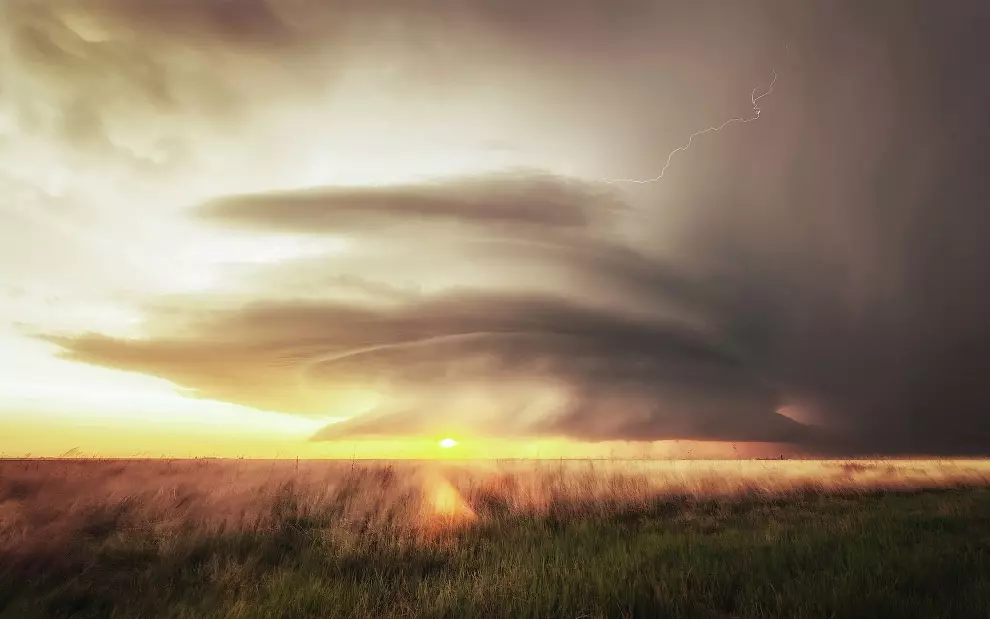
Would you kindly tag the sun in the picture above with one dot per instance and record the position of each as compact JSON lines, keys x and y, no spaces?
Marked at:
{"x":447,"y":443}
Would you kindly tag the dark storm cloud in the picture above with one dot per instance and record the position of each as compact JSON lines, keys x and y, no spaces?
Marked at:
{"x":848,"y":235}
{"x":631,"y":378}
{"x":832,"y":256}
{"x":517,"y":199}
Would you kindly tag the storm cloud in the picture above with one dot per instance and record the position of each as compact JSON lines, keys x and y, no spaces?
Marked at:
{"x":621,"y":376}
{"x":509,"y":200}
{"x":829,"y":259}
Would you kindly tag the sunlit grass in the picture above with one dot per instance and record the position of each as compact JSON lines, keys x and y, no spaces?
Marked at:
{"x":540,"y":539}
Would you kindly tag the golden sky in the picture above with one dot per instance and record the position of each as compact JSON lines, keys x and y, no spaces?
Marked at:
{"x":280,"y":168}
{"x":331,"y":229}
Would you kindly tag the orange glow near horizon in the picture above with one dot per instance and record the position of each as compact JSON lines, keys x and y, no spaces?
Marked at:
{"x":405,"y":178}
{"x":52,"y":436}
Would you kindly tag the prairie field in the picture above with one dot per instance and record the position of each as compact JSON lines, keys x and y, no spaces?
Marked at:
{"x":314,"y":539}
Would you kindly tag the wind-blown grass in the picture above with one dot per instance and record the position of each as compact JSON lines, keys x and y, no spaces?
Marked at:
{"x":239,"y":539}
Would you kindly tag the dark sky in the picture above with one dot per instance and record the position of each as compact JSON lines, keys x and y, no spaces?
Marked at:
{"x":827,"y":259}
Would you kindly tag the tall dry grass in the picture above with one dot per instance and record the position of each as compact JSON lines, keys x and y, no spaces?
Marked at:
{"x":242,"y":539}
{"x":44,"y":501}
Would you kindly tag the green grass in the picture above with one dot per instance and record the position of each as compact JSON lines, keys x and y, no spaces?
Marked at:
{"x":923,"y":554}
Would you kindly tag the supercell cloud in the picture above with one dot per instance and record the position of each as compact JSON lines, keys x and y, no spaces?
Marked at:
{"x":395,"y":213}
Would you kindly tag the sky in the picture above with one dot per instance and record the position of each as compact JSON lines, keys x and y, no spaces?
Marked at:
{"x":281,"y":228}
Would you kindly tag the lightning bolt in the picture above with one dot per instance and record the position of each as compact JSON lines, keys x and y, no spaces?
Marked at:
{"x":754,"y":99}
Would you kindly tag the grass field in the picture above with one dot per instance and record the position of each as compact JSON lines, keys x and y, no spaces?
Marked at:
{"x":249,"y":539}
